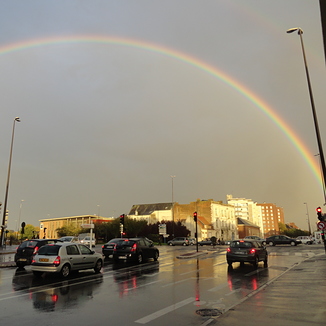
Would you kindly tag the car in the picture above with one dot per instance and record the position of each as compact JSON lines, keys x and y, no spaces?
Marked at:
{"x":305,"y":239}
{"x":281,"y":239}
{"x":246,"y":251}
{"x":183,"y":241}
{"x":192,"y":241}
{"x":28,"y":248}
{"x":135,"y":250}
{"x":255,"y":237}
{"x":69,"y":238}
{"x":107,"y":248}
{"x":206,"y":242}
{"x":64,"y":258}
{"x":87,"y":241}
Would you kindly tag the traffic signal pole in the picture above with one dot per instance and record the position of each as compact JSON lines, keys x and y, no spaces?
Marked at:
{"x":195,"y":219}
{"x":321,"y":224}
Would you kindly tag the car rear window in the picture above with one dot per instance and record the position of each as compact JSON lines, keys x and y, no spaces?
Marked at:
{"x":49,"y":250}
{"x":125,"y":243}
{"x":241,"y":244}
{"x":29,"y":244}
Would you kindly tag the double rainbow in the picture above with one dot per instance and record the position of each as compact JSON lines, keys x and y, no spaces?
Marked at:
{"x":186,"y":58}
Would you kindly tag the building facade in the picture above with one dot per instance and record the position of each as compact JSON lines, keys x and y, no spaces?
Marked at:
{"x":272,"y":215}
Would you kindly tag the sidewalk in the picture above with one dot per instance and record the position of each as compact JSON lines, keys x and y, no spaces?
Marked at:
{"x":7,"y":256}
{"x":296,"y":298}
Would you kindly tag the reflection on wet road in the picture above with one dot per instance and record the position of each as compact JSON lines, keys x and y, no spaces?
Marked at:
{"x":170,"y":291}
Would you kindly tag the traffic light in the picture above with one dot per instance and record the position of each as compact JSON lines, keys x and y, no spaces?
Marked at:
{"x":23,"y":227}
{"x":122,"y":219}
{"x":320,"y":214}
{"x":195,"y":216}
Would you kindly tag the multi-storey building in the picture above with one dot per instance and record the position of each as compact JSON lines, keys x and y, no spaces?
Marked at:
{"x":247,"y":209}
{"x":272,"y":215}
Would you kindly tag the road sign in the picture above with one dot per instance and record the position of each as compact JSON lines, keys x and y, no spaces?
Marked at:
{"x":321,"y":225}
{"x":87,"y":226}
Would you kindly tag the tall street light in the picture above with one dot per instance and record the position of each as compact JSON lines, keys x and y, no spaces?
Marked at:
{"x":172,"y":177}
{"x":320,"y":147}
{"x":7,"y":187}
{"x":308,"y":219}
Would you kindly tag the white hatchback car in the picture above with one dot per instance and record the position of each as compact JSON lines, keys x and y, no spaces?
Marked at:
{"x":305,"y":239}
{"x":64,"y":258}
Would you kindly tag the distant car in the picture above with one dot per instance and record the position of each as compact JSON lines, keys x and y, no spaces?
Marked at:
{"x":28,"y":248}
{"x":255,"y":237}
{"x":65,"y":257}
{"x":192,"y":241}
{"x":107,"y":248}
{"x":206,"y":242}
{"x":69,"y":238}
{"x":87,"y":241}
{"x":305,"y":239}
{"x":282,"y":239}
{"x":246,"y":251}
{"x":181,"y":241}
{"x":134,"y":249}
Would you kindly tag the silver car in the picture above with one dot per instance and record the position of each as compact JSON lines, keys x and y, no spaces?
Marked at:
{"x":63,"y":258}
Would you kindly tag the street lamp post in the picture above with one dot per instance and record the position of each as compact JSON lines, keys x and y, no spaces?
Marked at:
{"x":320,"y":147}
{"x":7,"y":186}
{"x":308,"y":219}
{"x":172,"y":177}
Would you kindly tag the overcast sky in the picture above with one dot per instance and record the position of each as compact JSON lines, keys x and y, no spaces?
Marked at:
{"x":104,"y":125}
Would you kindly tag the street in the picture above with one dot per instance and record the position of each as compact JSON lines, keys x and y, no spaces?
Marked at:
{"x":171,"y":291}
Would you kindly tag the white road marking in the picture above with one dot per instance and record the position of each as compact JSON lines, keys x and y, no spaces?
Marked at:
{"x":164,"y":311}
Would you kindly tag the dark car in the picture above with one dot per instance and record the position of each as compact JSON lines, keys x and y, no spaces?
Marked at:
{"x":281,"y":239}
{"x":255,"y":237}
{"x":246,"y":251}
{"x":28,"y":249}
{"x":134,"y":249}
{"x":206,"y":242}
{"x":107,"y":248}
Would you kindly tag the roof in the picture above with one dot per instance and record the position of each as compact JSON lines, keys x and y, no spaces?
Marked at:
{"x":148,"y":209}
{"x":242,"y":221}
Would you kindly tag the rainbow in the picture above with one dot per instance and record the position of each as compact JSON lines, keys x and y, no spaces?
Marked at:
{"x":195,"y":62}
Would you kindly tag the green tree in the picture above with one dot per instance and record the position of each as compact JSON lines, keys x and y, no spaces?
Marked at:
{"x":69,"y":229}
{"x":30,"y":232}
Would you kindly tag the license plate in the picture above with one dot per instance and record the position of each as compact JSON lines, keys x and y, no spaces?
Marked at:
{"x":44,"y":259}
{"x":22,"y":259}
{"x":240,"y":252}
{"x":122,"y":257}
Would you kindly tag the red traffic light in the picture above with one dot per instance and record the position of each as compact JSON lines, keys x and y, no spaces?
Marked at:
{"x":320,"y":214}
{"x":195,"y":216}
{"x":319,"y":210}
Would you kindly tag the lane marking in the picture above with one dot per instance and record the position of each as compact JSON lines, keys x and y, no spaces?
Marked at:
{"x":164,"y":311}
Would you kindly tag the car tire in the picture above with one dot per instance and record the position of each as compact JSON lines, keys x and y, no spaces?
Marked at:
{"x":65,"y":271}
{"x":156,"y":254}
{"x":256,"y":262}
{"x":98,"y":266}
{"x":37,"y":273}
{"x":139,"y":258}
{"x":271,"y":243}
{"x":292,"y":243}
{"x":20,"y":265}
{"x":264,"y":243}
{"x":229,"y":263}
{"x":266,"y":262}
{"x":170,"y":244}
{"x":184,"y":244}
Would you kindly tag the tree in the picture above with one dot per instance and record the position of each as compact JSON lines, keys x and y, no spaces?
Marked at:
{"x":30,"y":232}
{"x":68,"y":229}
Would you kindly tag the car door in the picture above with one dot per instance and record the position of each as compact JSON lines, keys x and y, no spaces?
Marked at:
{"x":74,"y":257}
{"x":87,"y":256}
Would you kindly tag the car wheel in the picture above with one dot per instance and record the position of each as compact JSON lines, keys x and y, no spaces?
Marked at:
{"x":170,"y":244}
{"x":264,"y":243}
{"x":156,"y":255}
{"x":271,"y":243}
{"x":184,"y":244}
{"x":292,"y":243}
{"x":266,"y":262}
{"x":65,"y":271}
{"x":229,"y":263}
{"x":20,"y":265}
{"x":140,"y":258}
{"x":98,"y":266}
{"x":37,"y":273}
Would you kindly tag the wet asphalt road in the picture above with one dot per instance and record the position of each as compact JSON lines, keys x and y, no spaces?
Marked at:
{"x":171,"y":291}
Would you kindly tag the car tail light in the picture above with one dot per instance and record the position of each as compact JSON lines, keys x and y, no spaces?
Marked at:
{"x":57,"y":261}
{"x":228,"y":249}
{"x":115,"y":247}
{"x":35,"y":250}
{"x":252,"y":251}
{"x":103,"y":247}
{"x":134,"y":247}
{"x":54,"y":297}
{"x":33,"y":261}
